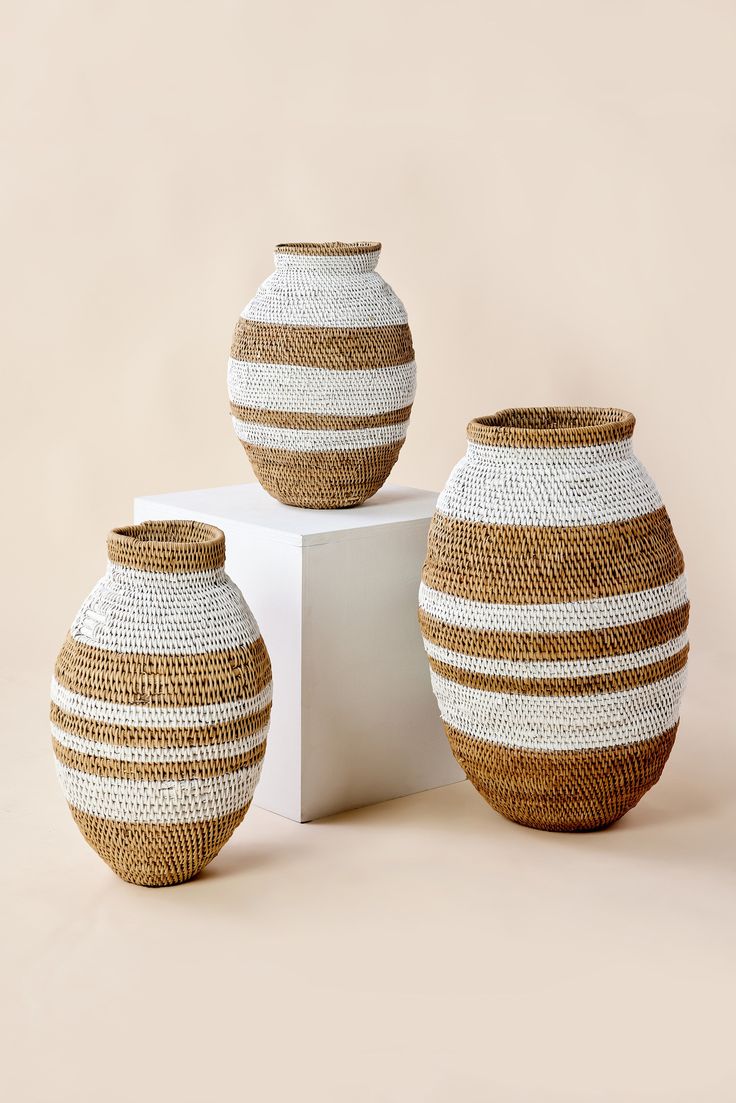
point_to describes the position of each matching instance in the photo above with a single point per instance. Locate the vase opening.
(353, 256)
(552, 427)
(177, 546)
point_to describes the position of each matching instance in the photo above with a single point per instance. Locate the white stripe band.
(549, 486)
(118, 752)
(325, 298)
(572, 616)
(561, 723)
(319, 440)
(144, 716)
(186, 801)
(287, 388)
(507, 668)
(175, 614)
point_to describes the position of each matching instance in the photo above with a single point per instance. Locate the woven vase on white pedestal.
(322, 376)
(554, 611)
(161, 700)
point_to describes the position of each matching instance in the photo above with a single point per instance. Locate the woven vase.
(161, 700)
(321, 376)
(554, 611)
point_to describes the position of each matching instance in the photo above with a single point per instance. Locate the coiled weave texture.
(160, 704)
(322, 376)
(554, 611)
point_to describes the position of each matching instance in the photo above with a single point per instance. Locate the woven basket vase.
(321, 376)
(554, 611)
(160, 704)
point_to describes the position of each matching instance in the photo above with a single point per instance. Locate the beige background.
(554, 186)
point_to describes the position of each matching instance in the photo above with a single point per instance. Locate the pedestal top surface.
(249, 504)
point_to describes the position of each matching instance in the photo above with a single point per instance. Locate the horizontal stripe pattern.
(553, 487)
(281, 419)
(325, 347)
(250, 726)
(551, 565)
(181, 769)
(175, 614)
(298, 440)
(555, 723)
(151, 754)
(185, 801)
(318, 390)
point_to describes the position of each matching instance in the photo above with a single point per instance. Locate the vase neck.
(171, 547)
(553, 427)
(330, 256)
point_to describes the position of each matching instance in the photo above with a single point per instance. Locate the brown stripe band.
(562, 790)
(159, 738)
(328, 248)
(565, 687)
(336, 347)
(534, 565)
(552, 427)
(286, 419)
(597, 643)
(164, 681)
(173, 547)
(156, 771)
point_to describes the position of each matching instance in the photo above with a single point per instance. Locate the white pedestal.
(354, 719)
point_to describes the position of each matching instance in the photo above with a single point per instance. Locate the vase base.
(568, 791)
(156, 855)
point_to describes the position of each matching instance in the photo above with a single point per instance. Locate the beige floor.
(423, 949)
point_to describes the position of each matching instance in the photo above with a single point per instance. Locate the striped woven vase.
(554, 612)
(160, 704)
(322, 376)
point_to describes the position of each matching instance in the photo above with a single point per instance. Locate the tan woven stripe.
(562, 790)
(565, 687)
(157, 854)
(160, 738)
(520, 565)
(170, 546)
(552, 427)
(164, 680)
(328, 248)
(155, 771)
(323, 480)
(322, 346)
(286, 419)
(597, 643)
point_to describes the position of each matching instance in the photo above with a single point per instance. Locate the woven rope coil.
(160, 704)
(554, 612)
(321, 376)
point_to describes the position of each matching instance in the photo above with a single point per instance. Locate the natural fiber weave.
(554, 612)
(322, 376)
(161, 700)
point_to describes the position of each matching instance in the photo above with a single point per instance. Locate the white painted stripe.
(117, 752)
(507, 668)
(330, 265)
(572, 616)
(561, 723)
(325, 297)
(549, 486)
(185, 801)
(285, 387)
(319, 440)
(145, 716)
(154, 613)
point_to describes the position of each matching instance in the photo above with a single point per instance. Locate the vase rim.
(175, 547)
(552, 426)
(328, 248)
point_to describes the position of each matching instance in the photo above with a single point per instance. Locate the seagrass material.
(160, 704)
(321, 376)
(554, 611)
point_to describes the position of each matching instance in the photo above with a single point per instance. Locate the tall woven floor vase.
(554, 612)
(160, 704)
(322, 376)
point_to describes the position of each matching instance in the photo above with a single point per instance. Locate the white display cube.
(354, 719)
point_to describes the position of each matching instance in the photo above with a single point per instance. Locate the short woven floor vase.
(554, 612)
(321, 376)
(160, 704)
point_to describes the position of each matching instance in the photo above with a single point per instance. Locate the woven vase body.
(554, 612)
(161, 700)
(322, 376)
